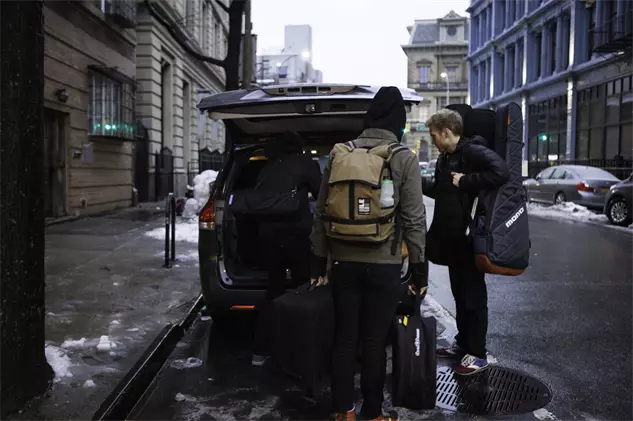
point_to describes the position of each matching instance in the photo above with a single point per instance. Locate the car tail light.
(584, 187)
(207, 216)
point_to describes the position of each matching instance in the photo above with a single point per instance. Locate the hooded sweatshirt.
(387, 112)
(384, 124)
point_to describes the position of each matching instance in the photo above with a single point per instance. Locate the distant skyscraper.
(293, 64)
(298, 39)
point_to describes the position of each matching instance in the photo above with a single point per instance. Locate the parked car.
(232, 273)
(619, 203)
(429, 171)
(583, 185)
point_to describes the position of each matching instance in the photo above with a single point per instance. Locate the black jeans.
(365, 298)
(286, 251)
(468, 285)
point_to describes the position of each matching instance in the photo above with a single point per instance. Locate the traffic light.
(543, 137)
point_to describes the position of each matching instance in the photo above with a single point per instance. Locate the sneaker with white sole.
(258, 360)
(452, 351)
(470, 365)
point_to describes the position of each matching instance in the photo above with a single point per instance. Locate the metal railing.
(441, 86)
(170, 228)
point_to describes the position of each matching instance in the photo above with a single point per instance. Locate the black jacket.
(484, 170)
(284, 173)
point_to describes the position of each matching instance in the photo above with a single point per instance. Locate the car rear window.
(595, 173)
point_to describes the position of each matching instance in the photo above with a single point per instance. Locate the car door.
(537, 190)
(555, 184)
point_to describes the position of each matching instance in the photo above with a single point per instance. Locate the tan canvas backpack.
(360, 204)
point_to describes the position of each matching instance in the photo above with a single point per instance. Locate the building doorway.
(54, 163)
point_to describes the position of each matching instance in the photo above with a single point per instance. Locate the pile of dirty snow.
(186, 230)
(59, 362)
(201, 192)
(567, 210)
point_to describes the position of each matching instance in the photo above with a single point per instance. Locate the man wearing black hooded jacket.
(365, 279)
(465, 168)
(285, 241)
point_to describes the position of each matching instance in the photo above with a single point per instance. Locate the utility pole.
(247, 68)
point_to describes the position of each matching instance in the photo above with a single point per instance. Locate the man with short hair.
(464, 168)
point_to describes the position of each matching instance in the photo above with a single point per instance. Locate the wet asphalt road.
(566, 321)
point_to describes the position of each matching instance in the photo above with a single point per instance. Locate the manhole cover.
(497, 390)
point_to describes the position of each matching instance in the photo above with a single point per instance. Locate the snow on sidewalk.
(186, 230)
(567, 210)
(572, 212)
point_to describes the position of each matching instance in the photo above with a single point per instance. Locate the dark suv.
(232, 270)
(618, 205)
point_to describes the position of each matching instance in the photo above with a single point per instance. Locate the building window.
(451, 71)
(510, 67)
(519, 9)
(424, 74)
(123, 12)
(190, 15)
(451, 31)
(552, 48)
(423, 112)
(592, 30)
(547, 130)
(519, 69)
(538, 40)
(217, 41)
(566, 42)
(205, 28)
(110, 107)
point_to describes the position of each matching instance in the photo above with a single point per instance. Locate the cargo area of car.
(242, 252)
(322, 115)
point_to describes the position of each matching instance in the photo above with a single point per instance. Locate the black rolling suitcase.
(304, 333)
(414, 360)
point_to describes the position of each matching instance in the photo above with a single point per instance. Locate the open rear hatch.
(322, 114)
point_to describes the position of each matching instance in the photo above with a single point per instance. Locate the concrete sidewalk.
(107, 297)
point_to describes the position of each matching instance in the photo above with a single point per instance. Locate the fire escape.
(614, 39)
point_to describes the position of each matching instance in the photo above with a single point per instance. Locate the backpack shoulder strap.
(395, 148)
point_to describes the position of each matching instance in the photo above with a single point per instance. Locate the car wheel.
(559, 198)
(618, 212)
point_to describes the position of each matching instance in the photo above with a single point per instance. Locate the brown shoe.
(345, 416)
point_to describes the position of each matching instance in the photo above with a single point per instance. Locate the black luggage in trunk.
(304, 333)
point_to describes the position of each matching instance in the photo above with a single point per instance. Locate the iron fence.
(620, 168)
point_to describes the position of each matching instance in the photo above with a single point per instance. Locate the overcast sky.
(353, 41)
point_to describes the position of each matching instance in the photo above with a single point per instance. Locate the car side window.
(558, 174)
(545, 174)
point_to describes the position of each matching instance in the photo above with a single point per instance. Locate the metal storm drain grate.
(497, 390)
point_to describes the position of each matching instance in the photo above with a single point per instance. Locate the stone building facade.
(437, 71)
(180, 141)
(568, 64)
(89, 68)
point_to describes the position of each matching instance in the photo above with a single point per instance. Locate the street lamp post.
(305, 55)
(444, 75)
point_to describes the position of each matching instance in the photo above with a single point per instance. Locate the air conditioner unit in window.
(122, 12)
